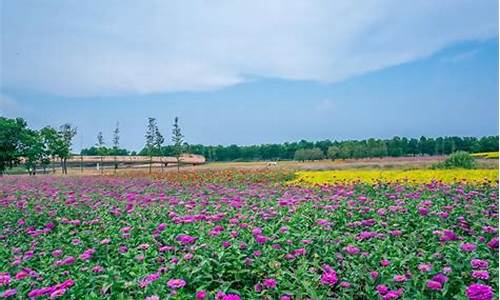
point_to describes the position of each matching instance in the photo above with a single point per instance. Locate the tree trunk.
(178, 164)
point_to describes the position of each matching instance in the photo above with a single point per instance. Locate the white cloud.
(84, 48)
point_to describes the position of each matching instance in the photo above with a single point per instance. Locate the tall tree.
(177, 140)
(101, 149)
(151, 136)
(66, 134)
(116, 142)
(33, 150)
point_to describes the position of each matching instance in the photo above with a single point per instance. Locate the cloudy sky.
(250, 72)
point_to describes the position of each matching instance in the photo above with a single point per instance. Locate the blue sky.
(250, 74)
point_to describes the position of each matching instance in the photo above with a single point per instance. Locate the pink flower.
(382, 289)
(345, 284)
(399, 278)
(440, 278)
(176, 283)
(185, 239)
(352, 250)
(269, 283)
(8, 293)
(434, 285)
(4, 279)
(493, 243)
(329, 276)
(200, 295)
(478, 291)
(21, 275)
(385, 262)
(479, 264)
(484, 275)
(424, 267)
(374, 274)
(468, 247)
(231, 297)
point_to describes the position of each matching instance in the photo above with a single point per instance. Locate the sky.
(252, 72)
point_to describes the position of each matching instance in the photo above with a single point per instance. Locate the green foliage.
(459, 159)
(309, 154)
(10, 141)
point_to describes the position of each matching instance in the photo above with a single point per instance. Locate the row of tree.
(305, 150)
(35, 147)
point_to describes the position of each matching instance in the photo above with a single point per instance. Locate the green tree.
(116, 143)
(177, 140)
(333, 152)
(66, 134)
(10, 142)
(151, 135)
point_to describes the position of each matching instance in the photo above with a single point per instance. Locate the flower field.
(246, 236)
(417, 176)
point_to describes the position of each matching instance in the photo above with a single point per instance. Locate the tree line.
(35, 147)
(369, 148)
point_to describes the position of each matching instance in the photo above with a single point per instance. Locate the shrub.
(459, 159)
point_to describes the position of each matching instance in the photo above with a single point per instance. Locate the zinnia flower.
(434, 285)
(176, 283)
(478, 291)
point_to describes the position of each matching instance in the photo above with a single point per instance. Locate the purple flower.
(185, 239)
(329, 276)
(484, 275)
(200, 295)
(269, 283)
(382, 289)
(479, 264)
(176, 283)
(424, 267)
(8, 293)
(478, 291)
(468, 247)
(352, 250)
(493, 243)
(399, 278)
(231, 297)
(4, 279)
(440, 278)
(434, 285)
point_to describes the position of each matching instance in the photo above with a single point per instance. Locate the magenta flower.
(382, 289)
(200, 295)
(8, 293)
(329, 276)
(468, 247)
(478, 291)
(399, 278)
(176, 283)
(4, 279)
(493, 243)
(484, 275)
(231, 297)
(269, 283)
(434, 285)
(352, 250)
(185, 239)
(424, 267)
(440, 278)
(479, 264)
